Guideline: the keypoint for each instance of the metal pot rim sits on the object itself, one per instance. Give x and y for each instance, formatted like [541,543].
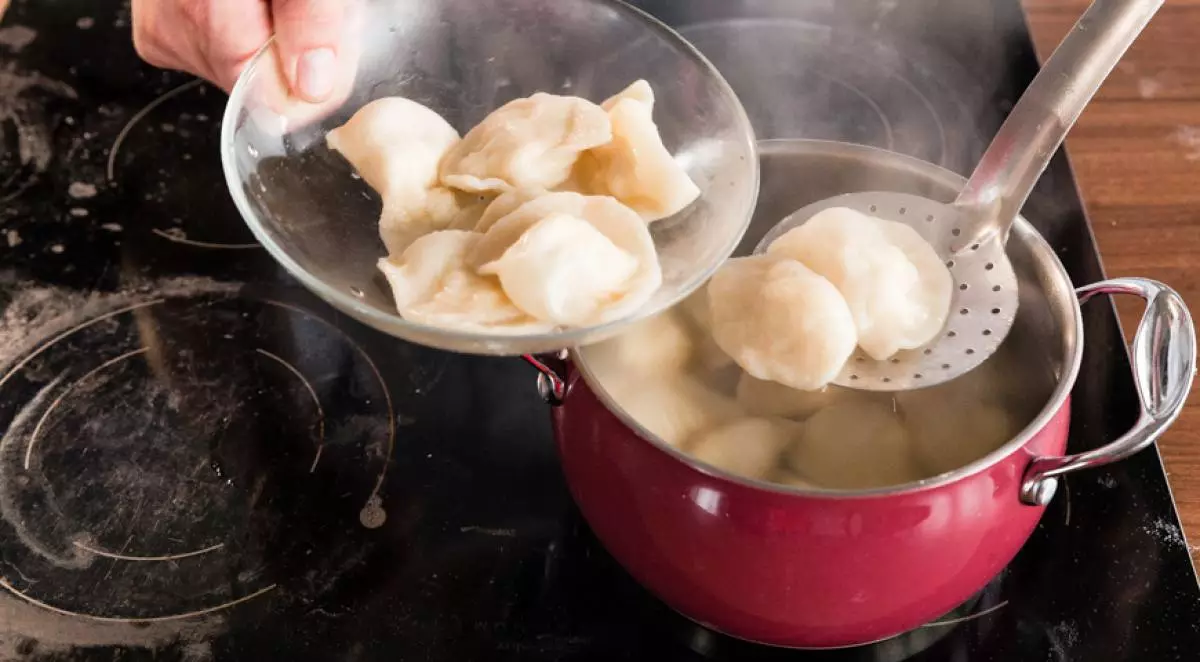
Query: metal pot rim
[1022,230]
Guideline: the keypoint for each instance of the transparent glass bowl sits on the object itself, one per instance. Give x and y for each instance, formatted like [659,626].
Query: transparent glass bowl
[464,59]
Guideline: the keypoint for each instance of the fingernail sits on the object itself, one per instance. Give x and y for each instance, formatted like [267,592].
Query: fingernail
[315,74]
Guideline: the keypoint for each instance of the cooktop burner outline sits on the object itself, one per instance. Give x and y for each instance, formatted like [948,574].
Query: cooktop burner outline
[49,541]
[173,234]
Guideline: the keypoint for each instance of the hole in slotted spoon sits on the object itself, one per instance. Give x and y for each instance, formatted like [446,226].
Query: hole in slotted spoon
[964,311]
[956,232]
[964,286]
[995,311]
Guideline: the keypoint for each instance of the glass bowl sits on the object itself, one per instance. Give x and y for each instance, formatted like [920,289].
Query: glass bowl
[464,59]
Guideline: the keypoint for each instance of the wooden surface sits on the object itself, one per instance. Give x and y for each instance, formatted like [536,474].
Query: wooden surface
[1136,154]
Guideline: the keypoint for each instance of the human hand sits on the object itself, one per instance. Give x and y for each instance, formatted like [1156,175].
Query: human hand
[214,39]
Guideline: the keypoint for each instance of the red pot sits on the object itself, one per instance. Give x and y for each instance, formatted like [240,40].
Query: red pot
[813,568]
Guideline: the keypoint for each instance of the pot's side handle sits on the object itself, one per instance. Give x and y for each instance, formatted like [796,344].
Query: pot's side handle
[1163,356]
[552,375]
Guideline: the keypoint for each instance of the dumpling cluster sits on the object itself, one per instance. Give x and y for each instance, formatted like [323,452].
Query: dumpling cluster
[840,280]
[535,220]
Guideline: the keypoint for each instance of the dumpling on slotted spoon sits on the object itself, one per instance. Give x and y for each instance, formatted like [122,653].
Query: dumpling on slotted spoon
[895,284]
[431,285]
[781,321]
[570,259]
[531,142]
[636,167]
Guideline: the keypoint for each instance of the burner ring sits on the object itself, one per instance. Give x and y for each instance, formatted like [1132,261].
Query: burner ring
[50,555]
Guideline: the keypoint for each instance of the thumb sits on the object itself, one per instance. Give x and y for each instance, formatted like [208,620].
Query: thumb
[308,34]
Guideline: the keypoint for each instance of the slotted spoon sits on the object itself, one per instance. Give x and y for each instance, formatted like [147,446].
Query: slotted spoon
[970,233]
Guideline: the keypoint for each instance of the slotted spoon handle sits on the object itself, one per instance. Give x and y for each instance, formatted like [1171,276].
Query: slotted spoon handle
[1042,116]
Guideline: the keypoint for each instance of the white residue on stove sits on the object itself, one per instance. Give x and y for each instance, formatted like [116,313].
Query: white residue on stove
[85,23]
[79,212]
[1106,481]
[1165,532]
[16,37]
[35,145]
[487,531]
[57,248]
[167,127]
[1064,636]
[111,227]
[13,237]
[372,516]
[81,190]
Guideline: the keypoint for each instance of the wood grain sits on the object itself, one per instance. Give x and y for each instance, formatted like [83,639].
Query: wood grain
[1136,154]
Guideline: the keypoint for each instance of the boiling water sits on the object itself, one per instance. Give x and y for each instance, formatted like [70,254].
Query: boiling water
[669,376]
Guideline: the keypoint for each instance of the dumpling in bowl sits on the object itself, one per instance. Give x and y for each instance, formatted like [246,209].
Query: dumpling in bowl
[395,145]
[431,285]
[532,142]
[504,205]
[402,221]
[780,321]
[571,259]
[635,167]
[896,286]
[749,447]
[855,446]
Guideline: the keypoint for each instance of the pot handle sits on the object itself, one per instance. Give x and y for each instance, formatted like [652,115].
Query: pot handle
[1163,358]
[552,375]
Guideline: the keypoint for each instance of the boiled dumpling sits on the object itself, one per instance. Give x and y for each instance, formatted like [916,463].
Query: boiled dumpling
[395,145]
[897,303]
[673,409]
[749,447]
[950,432]
[656,347]
[767,398]
[431,285]
[504,205]
[639,91]
[635,167]
[709,354]
[788,478]
[855,445]
[532,142]
[402,222]
[547,268]
[780,321]
[563,270]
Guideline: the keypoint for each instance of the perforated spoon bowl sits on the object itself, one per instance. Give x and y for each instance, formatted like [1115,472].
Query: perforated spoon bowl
[970,233]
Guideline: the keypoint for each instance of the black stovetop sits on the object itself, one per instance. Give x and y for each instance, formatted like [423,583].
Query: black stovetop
[201,461]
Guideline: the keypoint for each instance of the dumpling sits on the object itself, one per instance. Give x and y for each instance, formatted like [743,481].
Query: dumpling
[780,321]
[788,478]
[767,398]
[855,446]
[950,432]
[540,266]
[431,286]
[404,220]
[639,91]
[654,347]
[897,303]
[635,167]
[709,354]
[532,142]
[672,409]
[563,270]
[395,145]
[749,447]
[504,205]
